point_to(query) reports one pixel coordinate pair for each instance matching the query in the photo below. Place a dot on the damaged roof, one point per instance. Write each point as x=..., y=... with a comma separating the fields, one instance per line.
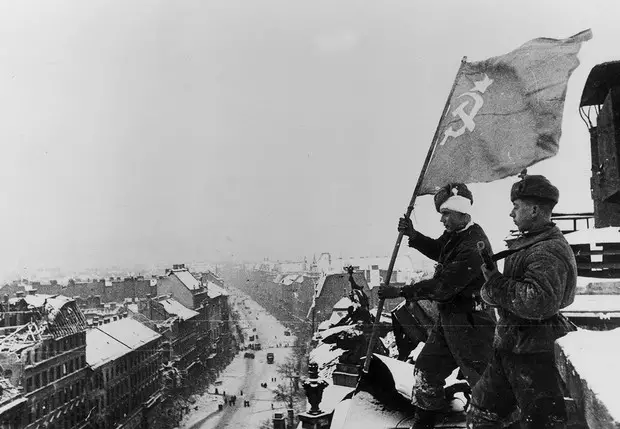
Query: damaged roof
x=55, y=302
x=8, y=392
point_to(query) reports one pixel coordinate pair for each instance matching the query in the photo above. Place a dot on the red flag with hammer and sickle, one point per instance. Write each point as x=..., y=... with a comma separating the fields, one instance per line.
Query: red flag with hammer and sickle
x=505, y=113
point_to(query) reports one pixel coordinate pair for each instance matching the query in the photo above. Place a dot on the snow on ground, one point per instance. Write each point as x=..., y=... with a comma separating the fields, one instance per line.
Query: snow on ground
x=245, y=374
x=402, y=373
x=208, y=403
x=594, y=355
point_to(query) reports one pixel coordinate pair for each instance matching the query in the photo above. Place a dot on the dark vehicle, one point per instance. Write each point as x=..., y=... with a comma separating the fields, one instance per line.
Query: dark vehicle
x=257, y=346
x=249, y=355
x=270, y=357
x=251, y=337
x=287, y=333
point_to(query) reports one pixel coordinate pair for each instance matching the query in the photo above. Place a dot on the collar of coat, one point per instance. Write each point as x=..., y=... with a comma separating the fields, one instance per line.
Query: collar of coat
x=528, y=239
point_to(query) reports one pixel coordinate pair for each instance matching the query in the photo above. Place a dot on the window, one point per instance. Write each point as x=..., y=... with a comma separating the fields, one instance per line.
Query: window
x=37, y=382
x=44, y=378
x=51, y=375
x=29, y=384
x=58, y=372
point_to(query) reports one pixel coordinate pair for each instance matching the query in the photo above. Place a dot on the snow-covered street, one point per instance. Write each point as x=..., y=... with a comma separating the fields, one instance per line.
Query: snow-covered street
x=244, y=376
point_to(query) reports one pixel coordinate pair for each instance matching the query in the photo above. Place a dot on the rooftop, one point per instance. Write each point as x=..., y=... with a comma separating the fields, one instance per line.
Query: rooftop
x=130, y=332
x=187, y=279
x=102, y=348
x=173, y=306
x=214, y=290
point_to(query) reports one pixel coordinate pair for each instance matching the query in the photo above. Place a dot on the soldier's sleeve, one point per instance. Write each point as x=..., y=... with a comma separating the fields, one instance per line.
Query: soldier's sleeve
x=537, y=295
x=451, y=279
x=429, y=247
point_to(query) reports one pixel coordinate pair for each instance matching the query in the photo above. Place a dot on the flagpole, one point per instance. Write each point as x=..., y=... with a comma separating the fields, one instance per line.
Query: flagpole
x=375, y=328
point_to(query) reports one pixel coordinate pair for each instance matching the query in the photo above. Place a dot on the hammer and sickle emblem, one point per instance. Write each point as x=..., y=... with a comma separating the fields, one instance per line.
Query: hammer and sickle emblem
x=468, y=118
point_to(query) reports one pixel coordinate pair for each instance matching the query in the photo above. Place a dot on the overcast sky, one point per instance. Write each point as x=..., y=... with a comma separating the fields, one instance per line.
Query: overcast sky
x=148, y=131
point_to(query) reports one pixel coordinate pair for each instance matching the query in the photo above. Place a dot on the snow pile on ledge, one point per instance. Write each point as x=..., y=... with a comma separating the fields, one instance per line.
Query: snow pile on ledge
x=591, y=358
x=609, y=234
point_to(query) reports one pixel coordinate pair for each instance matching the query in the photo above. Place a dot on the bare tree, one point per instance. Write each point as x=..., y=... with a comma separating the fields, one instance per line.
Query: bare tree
x=288, y=391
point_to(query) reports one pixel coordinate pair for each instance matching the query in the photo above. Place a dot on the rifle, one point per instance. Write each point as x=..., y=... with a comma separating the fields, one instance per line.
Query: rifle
x=486, y=256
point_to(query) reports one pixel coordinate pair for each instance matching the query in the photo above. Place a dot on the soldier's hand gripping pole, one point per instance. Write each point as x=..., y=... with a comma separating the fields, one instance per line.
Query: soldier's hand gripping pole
x=486, y=256
x=375, y=329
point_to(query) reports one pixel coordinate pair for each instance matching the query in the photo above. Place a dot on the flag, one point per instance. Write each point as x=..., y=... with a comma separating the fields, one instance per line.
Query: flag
x=504, y=114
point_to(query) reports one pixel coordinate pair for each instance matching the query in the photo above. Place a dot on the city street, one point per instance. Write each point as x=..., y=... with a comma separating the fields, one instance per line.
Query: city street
x=244, y=376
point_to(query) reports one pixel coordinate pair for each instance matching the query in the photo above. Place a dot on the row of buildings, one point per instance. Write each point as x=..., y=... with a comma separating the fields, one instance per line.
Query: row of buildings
x=71, y=361
x=308, y=293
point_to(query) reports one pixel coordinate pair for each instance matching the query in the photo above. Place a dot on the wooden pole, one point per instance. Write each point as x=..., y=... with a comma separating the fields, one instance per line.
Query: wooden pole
x=375, y=329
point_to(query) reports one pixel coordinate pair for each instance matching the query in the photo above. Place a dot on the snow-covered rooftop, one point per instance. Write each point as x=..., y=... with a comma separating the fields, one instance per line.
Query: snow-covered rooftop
x=38, y=300
x=102, y=348
x=213, y=290
x=130, y=332
x=173, y=306
x=187, y=279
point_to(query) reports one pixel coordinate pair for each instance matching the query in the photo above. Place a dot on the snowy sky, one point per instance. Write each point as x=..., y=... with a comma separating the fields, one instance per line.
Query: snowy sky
x=151, y=131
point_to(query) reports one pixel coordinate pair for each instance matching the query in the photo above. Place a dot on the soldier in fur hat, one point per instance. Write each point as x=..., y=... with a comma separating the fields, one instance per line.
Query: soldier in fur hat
x=463, y=334
x=539, y=279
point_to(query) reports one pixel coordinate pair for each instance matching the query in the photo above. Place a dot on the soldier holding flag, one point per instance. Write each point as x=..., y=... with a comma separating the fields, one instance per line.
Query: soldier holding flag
x=463, y=334
x=497, y=121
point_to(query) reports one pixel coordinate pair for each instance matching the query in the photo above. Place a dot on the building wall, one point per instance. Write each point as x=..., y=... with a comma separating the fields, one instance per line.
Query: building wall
x=119, y=388
x=115, y=291
x=173, y=286
x=185, y=344
x=55, y=382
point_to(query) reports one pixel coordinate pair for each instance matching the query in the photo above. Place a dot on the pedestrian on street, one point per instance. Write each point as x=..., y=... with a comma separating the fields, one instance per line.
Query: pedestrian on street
x=539, y=279
x=462, y=336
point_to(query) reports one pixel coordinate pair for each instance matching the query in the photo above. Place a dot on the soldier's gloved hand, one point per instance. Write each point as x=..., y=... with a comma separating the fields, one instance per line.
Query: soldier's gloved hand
x=406, y=227
x=488, y=273
x=388, y=292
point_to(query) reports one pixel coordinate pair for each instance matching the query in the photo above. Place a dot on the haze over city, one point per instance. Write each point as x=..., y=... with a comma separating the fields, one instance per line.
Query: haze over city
x=155, y=132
